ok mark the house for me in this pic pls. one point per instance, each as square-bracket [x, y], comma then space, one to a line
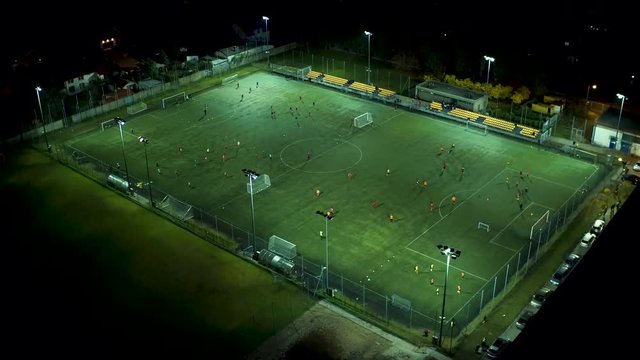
[81, 83]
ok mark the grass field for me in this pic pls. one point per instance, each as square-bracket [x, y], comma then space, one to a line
[91, 273]
[311, 145]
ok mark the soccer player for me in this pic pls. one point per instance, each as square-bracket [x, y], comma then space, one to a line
[391, 218]
[350, 175]
[453, 200]
[431, 205]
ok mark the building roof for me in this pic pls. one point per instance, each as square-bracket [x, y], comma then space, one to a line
[452, 90]
[629, 122]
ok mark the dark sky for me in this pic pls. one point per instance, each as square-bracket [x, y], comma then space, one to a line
[67, 32]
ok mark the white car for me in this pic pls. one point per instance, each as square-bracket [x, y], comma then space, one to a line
[636, 166]
[587, 239]
[597, 227]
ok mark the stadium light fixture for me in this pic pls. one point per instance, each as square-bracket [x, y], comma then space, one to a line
[44, 128]
[623, 98]
[327, 215]
[121, 123]
[368, 34]
[252, 175]
[489, 59]
[144, 142]
[594, 86]
[450, 253]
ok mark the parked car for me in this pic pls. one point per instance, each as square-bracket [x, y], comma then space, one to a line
[524, 319]
[587, 239]
[540, 297]
[632, 178]
[636, 166]
[597, 227]
[497, 347]
[571, 260]
[560, 274]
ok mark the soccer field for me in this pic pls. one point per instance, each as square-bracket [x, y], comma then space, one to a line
[317, 160]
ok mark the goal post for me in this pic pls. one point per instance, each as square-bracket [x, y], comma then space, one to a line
[174, 99]
[108, 124]
[230, 79]
[262, 182]
[363, 120]
[136, 108]
[476, 128]
[483, 226]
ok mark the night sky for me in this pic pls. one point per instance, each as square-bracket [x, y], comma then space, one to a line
[65, 35]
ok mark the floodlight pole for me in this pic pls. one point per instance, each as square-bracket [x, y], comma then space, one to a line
[144, 142]
[489, 61]
[266, 29]
[252, 175]
[449, 253]
[328, 215]
[623, 98]
[368, 56]
[121, 123]
[44, 128]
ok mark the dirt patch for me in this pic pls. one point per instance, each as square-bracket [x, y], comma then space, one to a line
[328, 332]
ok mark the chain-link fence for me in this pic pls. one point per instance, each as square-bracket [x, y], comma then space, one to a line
[389, 309]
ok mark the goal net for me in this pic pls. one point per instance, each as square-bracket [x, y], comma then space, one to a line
[176, 208]
[260, 183]
[483, 226]
[296, 73]
[476, 128]
[230, 79]
[108, 124]
[282, 247]
[136, 108]
[363, 120]
[174, 99]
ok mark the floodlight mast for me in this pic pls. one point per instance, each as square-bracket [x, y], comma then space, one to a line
[121, 123]
[368, 34]
[144, 142]
[328, 215]
[450, 253]
[252, 175]
[44, 128]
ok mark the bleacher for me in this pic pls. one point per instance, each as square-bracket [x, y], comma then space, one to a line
[385, 92]
[369, 89]
[334, 80]
[435, 106]
[500, 124]
[527, 131]
[465, 114]
[313, 74]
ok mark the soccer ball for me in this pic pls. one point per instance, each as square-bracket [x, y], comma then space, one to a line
[531, 214]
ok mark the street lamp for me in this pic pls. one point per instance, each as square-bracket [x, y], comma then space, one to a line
[252, 175]
[449, 253]
[328, 215]
[266, 30]
[594, 86]
[489, 60]
[44, 128]
[623, 98]
[144, 142]
[368, 56]
[121, 123]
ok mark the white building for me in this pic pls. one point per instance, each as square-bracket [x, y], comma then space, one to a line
[81, 83]
[617, 131]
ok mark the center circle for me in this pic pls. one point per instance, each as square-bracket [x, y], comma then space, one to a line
[320, 155]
